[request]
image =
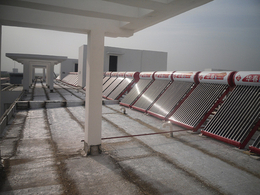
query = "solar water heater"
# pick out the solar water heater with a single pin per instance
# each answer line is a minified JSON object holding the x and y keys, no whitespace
{"x":146,"y":79}
{"x":163,"y":79}
{"x":182,"y":85}
{"x":207,"y":95}
{"x":238,"y":117}
{"x":125,"y":86}
{"x":71,"y":79}
{"x":107,"y":77}
{"x":113,"y":77}
{"x":119,"y":78}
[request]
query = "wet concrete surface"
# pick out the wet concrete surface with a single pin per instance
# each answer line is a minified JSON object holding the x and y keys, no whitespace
{"x":42,"y":155}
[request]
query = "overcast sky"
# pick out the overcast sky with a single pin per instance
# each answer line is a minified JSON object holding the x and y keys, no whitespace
{"x":223,"y":34}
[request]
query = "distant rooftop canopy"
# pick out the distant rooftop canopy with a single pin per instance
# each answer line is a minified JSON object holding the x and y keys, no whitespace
{"x":35,"y":59}
{"x":117,"y":18}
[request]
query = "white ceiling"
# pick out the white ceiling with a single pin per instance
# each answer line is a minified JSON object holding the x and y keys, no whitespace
{"x":117,"y":18}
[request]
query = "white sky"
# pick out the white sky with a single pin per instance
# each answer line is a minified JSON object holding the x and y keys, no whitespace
{"x":223,"y":34}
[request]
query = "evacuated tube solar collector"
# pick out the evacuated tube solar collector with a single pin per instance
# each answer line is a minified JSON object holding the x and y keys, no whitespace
{"x":207,"y":95}
{"x":238,"y":118}
{"x":130,"y":79}
{"x":182,"y":85}
{"x":163,"y":80}
{"x":146,"y":79}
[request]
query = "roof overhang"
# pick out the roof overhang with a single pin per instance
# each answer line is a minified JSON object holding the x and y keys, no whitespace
{"x":38,"y":61}
{"x":117,"y":18}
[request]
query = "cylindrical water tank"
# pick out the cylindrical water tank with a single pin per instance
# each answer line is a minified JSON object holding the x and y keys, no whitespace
{"x":133,"y":75}
{"x":147,"y":75}
{"x":163,"y":75}
{"x":221,"y":77}
{"x":188,"y":76}
{"x":121,"y":74}
{"x":251,"y":78}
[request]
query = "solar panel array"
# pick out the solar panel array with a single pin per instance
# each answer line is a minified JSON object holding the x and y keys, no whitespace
{"x":188,"y":98}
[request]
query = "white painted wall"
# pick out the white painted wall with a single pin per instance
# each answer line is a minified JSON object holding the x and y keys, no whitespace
{"x":67,"y":66}
{"x":136,"y":60}
{"x":82,"y":65}
{"x":128,"y":60}
{"x":154,"y":61}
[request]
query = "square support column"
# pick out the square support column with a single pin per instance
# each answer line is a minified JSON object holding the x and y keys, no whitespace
{"x":50,"y":76}
{"x":30,"y":74}
{"x":0,"y":55}
{"x":33,"y":73}
{"x":47,"y":76}
{"x":26,"y":77}
{"x":93,"y":106}
{"x":43,"y":74}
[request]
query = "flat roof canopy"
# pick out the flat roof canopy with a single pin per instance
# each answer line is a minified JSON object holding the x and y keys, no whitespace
{"x":117,"y":18}
{"x":35,"y":59}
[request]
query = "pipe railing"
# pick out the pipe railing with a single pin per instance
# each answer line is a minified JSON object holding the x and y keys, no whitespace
{"x":8,"y":114}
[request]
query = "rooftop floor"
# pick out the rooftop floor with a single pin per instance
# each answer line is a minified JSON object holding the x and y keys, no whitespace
{"x":43,"y":155}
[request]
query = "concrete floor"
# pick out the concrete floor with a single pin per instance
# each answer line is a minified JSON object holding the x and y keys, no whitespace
{"x":42,"y":152}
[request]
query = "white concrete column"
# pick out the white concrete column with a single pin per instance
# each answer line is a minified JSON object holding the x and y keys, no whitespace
{"x":26,"y":77}
{"x":93,"y":106}
{"x":47,"y":76}
{"x":33,"y":73}
{"x":0,"y":59}
{"x":30,"y":74}
{"x":82,"y":62}
{"x":51,"y":70}
{"x":43,"y":74}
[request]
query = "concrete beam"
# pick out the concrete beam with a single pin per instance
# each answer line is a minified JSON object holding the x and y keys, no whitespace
{"x":34,"y":18}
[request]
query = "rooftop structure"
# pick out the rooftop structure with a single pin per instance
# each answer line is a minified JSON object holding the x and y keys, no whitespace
{"x":114,"y":18}
{"x":31,"y":61}
{"x":140,"y":156}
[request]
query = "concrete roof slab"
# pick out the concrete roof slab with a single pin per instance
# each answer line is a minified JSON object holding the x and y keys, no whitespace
{"x":117,"y":18}
{"x":35,"y":59}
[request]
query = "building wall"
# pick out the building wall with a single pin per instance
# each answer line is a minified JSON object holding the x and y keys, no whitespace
{"x":7,"y":98}
{"x":136,"y":60}
{"x":82,"y":65}
{"x":67,"y":66}
{"x":154,"y":61}
{"x":127,"y":60}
